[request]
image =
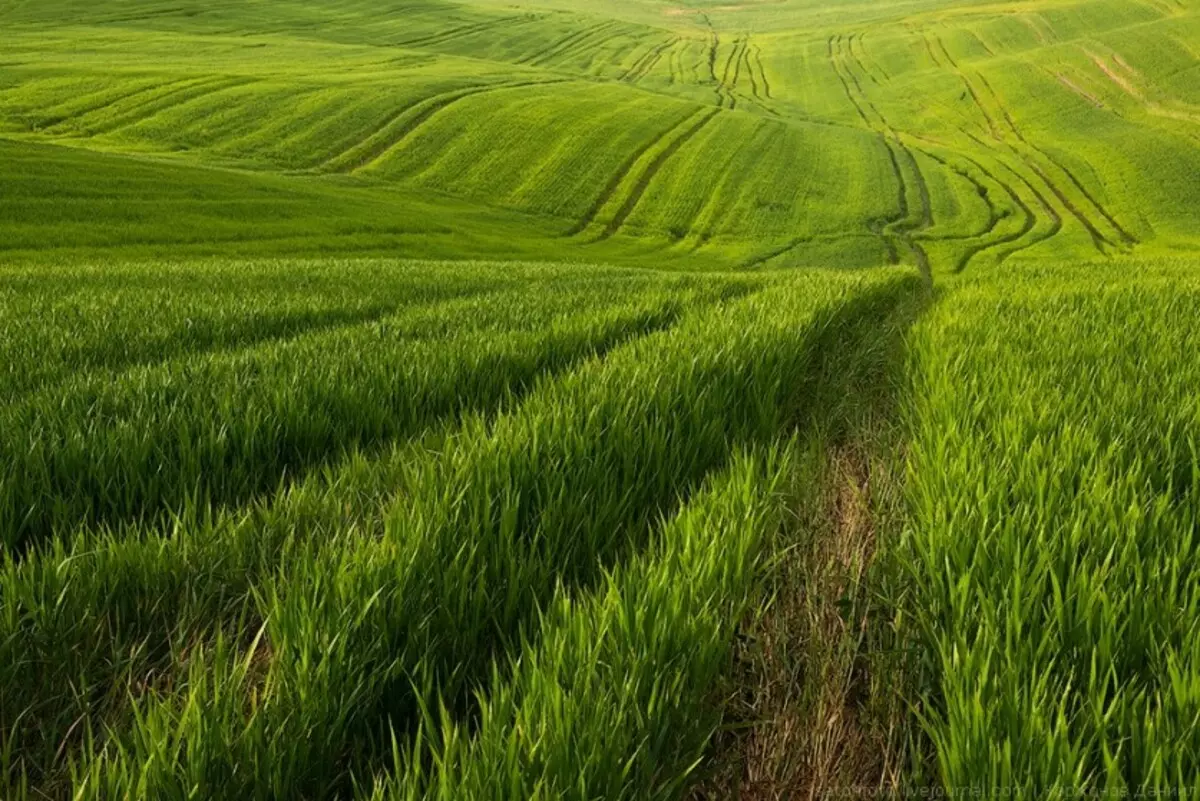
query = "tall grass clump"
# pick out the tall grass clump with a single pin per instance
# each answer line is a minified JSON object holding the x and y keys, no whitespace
{"x":92,"y":610}
{"x":217,"y":428}
{"x":612,"y":695}
{"x":1051,"y":562}
{"x":358,"y":634}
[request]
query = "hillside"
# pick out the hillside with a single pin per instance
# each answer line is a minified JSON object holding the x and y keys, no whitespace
{"x":414,"y":399}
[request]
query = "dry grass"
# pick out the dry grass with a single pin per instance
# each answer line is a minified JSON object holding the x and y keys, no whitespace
{"x":809,"y":723}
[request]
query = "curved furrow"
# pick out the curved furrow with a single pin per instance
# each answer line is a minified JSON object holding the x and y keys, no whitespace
{"x":1098,"y":239}
{"x":402,"y":125}
{"x":858,"y":60}
{"x":618,"y":177}
{"x":563,"y":45}
{"x":762,"y":72}
{"x":1056,"y":222}
{"x":647,"y":61}
{"x":160,"y":103}
{"x":762,"y":259}
{"x":1092,"y":230}
{"x":647,"y":175}
{"x":1029,"y":220}
{"x":896,"y":230}
{"x":467,"y":30}
{"x":593,"y":48}
{"x":57,"y":115}
{"x":833,"y":63}
{"x":1129,"y":238}
{"x":750,"y":74}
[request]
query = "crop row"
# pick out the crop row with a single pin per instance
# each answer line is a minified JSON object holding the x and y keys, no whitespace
{"x":218,"y":427}
{"x":1051,"y":560}
{"x":289,"y":641}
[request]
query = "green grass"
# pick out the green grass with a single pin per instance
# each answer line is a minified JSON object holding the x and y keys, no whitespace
{"x":477,"y":399}
{"x":1054,"y":508}
{"x":229,"y":424}
{"x":574,"y":489}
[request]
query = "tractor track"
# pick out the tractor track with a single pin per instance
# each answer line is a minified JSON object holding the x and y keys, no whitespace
{"x":762,"y":72}
{"x":614,"y":183}
{"x":648,"y":61}
{"x":432,"y":106}
{"x":1098,"y":238}
{"x":465,"y":30}
{"x":896,"y":231}
{"x":1099,"y":241}
{"x":858,"y":59}
{"x":792,"y":244}
{"x":175,"y":98}
{"x":1029,"y":219}
{"x":543,"y":57}
{"x":643,"y":181}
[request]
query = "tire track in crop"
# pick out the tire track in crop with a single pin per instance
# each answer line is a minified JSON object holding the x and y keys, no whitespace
{"x":725,"y":97}
{"x":1029,"y":219}
{"x":1074,"y":87}
{"x":1129,"y":238}
{"x":404,"y":122}
{"x":897,"y":231}
{"x":875,"y":226}
{"x":829,"y":46}
{"x":982,"y":42}
{"x":338,"y":162}
{"x":924,"y":221}
{"x":857,"y":59}
{"x":254,"y":333}
{"x":1099,"y":240}
{"x":1056,"y":221}
{"x":559,"y":46}
{"x":56,"y":119}
{"x":903,"y":227}
{"x":614,"y":183}
{"x":713,"y":44}
{"x":173,"y":99}
{"x":735,"y":58}
{"x":878,"y":65}
{"x":648,"y":61}
{"x":467,"y":30}
{"x":946,"y":53}
{"x":1054,"y":218}
{"x":126,"y":633}
{"x":750,"y":73}
{"x":742,"y":60}
{"x":675,"y":64}
{"x":594,"y":47}
{"x":762,"y":72}
{"x":567,"y":43}
{"x":711,"y":212}
{"x":1029,"y":20}
{"x":929,"y":50}
{"x":1126,"y":83}
{"x":276,"y":462}
{"x":981,"y":191}
{"x":460,"y":683}
{"x":758,"y":261}
{"x":651,"y":170}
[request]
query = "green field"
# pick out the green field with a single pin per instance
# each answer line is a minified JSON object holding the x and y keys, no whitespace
{"x":639,"y":399}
